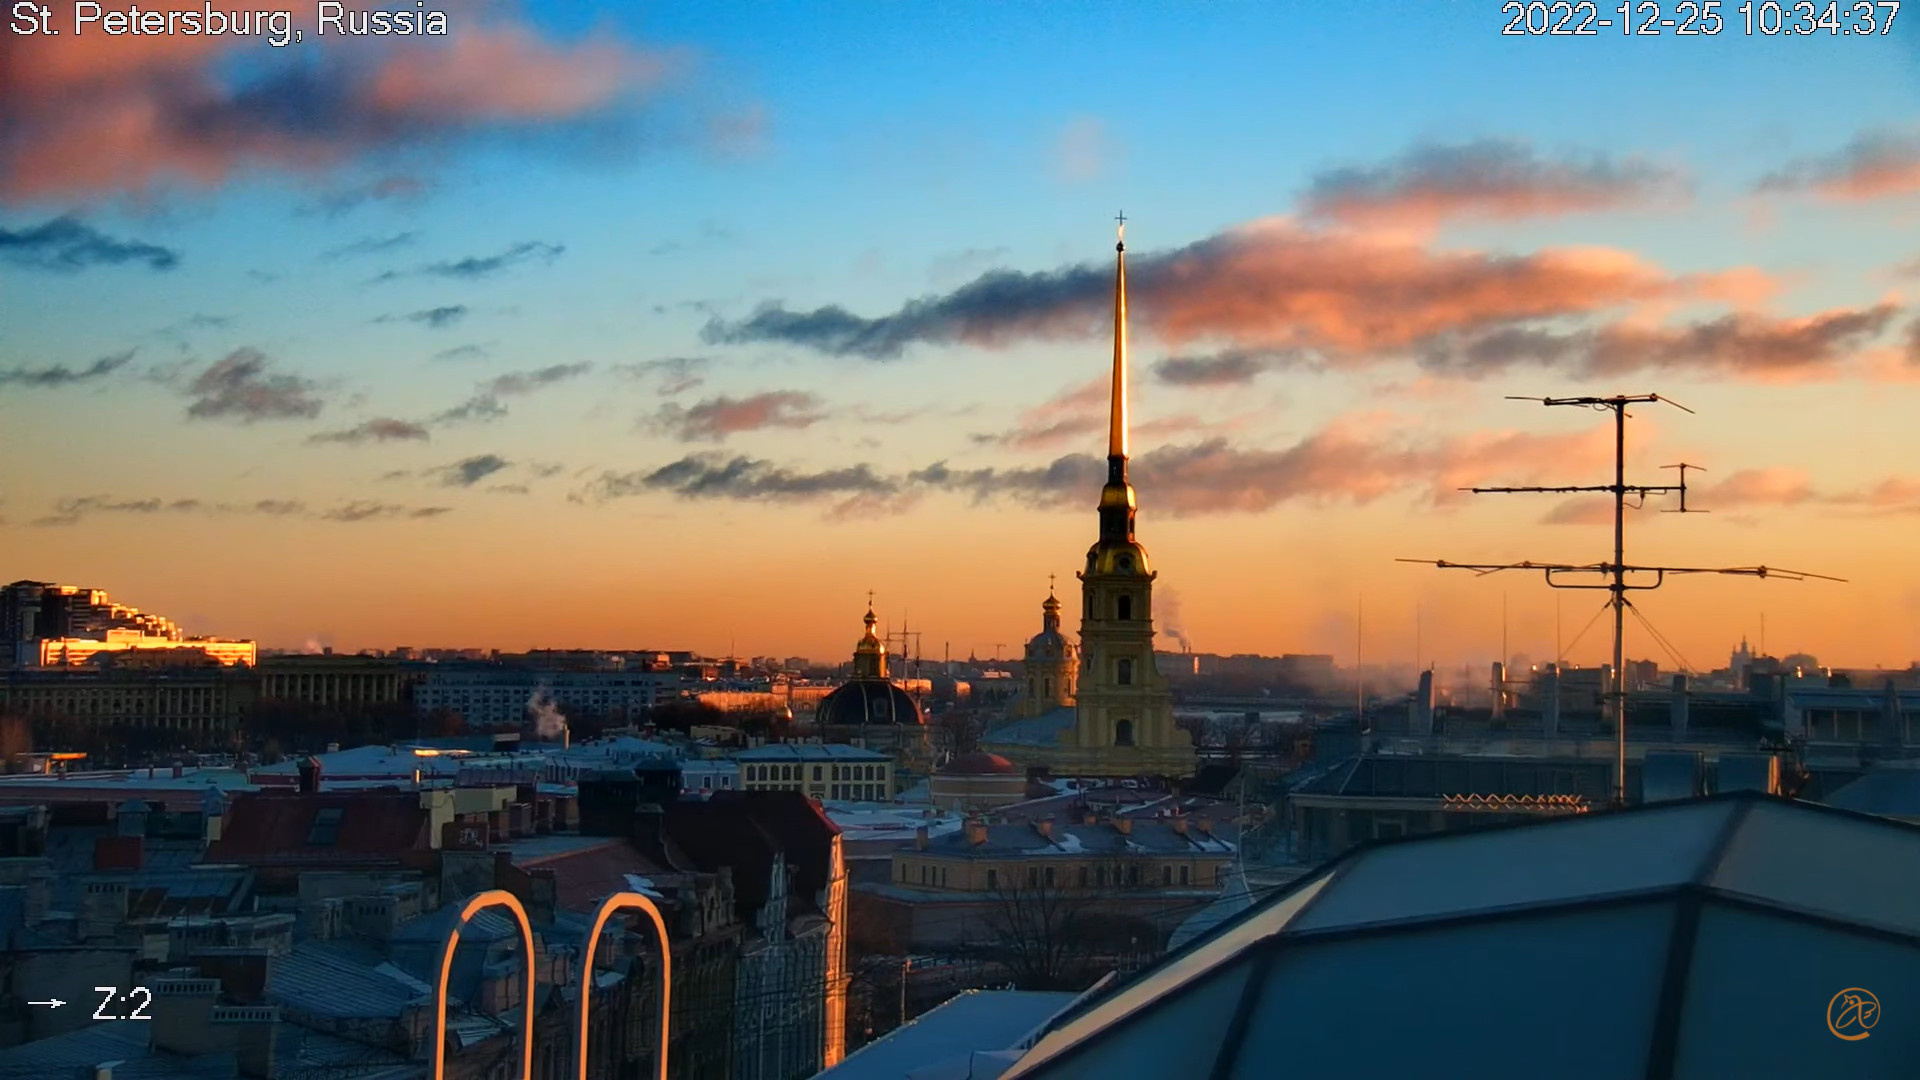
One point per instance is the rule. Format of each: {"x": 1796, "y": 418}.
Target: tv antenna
{"x": 1616, "y": 573}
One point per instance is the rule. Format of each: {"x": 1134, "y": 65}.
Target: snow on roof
{"x": 969, "y": 1022}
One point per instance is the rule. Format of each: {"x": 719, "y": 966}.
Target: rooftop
{"x": 941, "y": 1043}
{"x": 783, "y": 752}
{"x": 1644, "y": 941}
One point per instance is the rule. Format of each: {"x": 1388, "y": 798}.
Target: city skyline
{"x": 777, "y": 331}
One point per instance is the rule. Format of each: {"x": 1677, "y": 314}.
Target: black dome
{"x": 868, "y": 701}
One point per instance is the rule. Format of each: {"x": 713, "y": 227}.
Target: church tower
{"x": 1052, "y": 666}
{"x": 1124, "y": 707}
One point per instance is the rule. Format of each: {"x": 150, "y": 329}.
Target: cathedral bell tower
{"x": 1124, "y": 708}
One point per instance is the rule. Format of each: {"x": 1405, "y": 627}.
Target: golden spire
{"x": 1117, "y": 425}
{"x": 870, "y": 656}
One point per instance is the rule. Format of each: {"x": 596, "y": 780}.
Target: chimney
{"x": 1180, "y": 824}
{"x": 1499, "y": 690}
{"x": 104, "y": 1070}
{"x": 1423, "y": 705}
{"x": 1206, "y": 826}
{"x": 310, "y": 776}
{"x": 1123, "y": 825}
{"x": 920, "y": 838}
{"x": 976, "y": 832}
{"x": 1044, "y": 827}
{"x": 1550, "y": 700}
{"x": 1677, "y": 704}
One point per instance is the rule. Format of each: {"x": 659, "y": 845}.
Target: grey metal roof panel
{"x": 1889, "y": 791}
{"x": 971, "y": 1021}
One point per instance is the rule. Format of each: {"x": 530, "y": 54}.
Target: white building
{"x": 500, "y": 696}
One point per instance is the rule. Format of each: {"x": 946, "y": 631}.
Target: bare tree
{"x": 1048, "y": 928}
{"x": 959, "y": 730}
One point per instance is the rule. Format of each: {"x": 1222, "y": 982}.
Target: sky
{"x": 685, "y": 325}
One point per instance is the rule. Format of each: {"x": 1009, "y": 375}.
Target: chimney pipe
{"x": 1678, "y": 706}
{"x": 1180, "y": 824}
{"x": 1123, "y": 825}
{"x": 920, "y": 838}
{"x": 976, "y": 832}
{"x": 310, "y": 776}
{"x": 1206, "y": 825}
{"x": 1044, "y": 827}
{"x": 1550, "y": 703}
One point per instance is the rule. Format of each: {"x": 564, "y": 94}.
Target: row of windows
{"x": 1122, "y": 607}
{"x": 797, "y": 772}
{"x": 1084, "y": 877}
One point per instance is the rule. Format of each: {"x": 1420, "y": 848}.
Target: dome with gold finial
{"x": 1049, "y": 643}
{"x": 869, "y": 697}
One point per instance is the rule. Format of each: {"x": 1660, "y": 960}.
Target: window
{"x": 1183, "y": 875}
{"x": 816, "y": 774}
{"x": 1166, "y": 875}
{"x": 1123, "y": 733}
{"x": 943, "y": 877}
{"x": 923, "y": 875}
{"x": 903, "y": 871}
{"x": 993, "y": 878}
{"x": 1083, "y": 877}
{"x": 1125, "y": 606}
{"x": 326, "y": 827}
{"x": 1033, "y": 876}
{"x": 1049, "y": 875}
{"x": 1101, "y": 877}
{"x": 1049, "y": 692}
{"x": 1133, "y": 874}
{"x": 1123, "y": 671}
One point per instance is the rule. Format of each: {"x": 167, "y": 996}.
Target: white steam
{"x": 547, "y": 721}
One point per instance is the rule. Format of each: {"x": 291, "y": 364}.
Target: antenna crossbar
{"x": 1615, "y": 573}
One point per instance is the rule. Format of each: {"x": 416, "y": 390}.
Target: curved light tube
{"x": 474, "y": 904}
{"x": 627, "y": 901}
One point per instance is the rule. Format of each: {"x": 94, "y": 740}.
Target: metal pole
{"x": 1616, "y": 684}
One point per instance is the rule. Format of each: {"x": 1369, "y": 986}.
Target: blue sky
{"x": 861, "y": 156}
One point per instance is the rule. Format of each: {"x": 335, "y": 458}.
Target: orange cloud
{"x": 1875, "y": 165}
{"x": 105, "y": 114}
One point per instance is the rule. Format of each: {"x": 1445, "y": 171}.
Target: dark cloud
{"x": 479, "y": 408}
{"x": 526, "y": 382}
{"x": 73, "y": 510}
{"x": 380, "y": 429}
{"x": 1232, "y": 367}
{"x": 1875, "y": 165}
{"x": 1272, "y": 285}
{"x": 716, "y": 418}
{"x": 1352, "y": 460}
{"x": 61, "y": 375}
{"x": 370, "y": 245}
{"x": 1489, "y": 178}
{"x": 345, "y": 200}
{"x": 65, "y": 244}
{"x": 479, "y": 266}
{"x": 676, "y": 374}
{"x": 240, "y": 387}
{"x": 470, "y": 471}
{"x": 715, "y": 476}
{"x": 438, "y": 318}
{"x": 462, "y": 352}
{"x": 1737, "y": 344}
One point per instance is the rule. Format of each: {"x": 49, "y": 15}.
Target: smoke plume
{"x": 548, "y": 723}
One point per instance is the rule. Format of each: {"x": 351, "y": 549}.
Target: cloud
{"x": 1071, "y": 413}
{"x": 526, "y": 382}
{"x": 345, "y": 200}
{"x": 436, "y": 318}
{"x": 240, "y": 387}
{"x": 109, "y": 115}
{"x": 1875, "y": 165}
{"x": 65, "y": 244}
{"x": 1357, "y": 459}
{"x": 75, "y": 509}
{"x": 470, "y": 471}
{"x": 1488, "y": 178}
{"x": 1231, "y": 367}
{"x": 370, "y": 245}
{"x": 715, "y": 476}
{"x": 1774, "y": 487}
{"x": 481, "y": 407}
{"x": 462, "y": 352}
{"x": 1083, "y": 150}
{"x": 61, "y": 375}
{"x": 716, "y": 418}
{"x": 1748, "y": 345}
{"x": 677, "y": 374}
{"x": 380, "y": 429}
{"x": 1270, "y": 285}
{"x": 475, "y": 267}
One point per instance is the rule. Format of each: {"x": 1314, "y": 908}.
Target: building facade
{"x": 821, "y": 770}
{"x": 496, "y": 695}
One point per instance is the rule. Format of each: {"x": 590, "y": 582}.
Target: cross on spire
{"x": 869, "y": 599}
{"x": 1049, "y": 584}
{"x": 1121, "y": 232}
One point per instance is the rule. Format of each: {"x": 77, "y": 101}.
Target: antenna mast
{"x": 1615, "y": 573}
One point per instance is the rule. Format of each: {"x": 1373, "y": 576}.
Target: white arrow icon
{"x": 54, "y": 1002}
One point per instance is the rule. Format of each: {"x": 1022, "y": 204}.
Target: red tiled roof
{"x": 585, "y": 876}
{"x": 275, "y": 827}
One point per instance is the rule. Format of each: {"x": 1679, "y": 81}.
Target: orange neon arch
{"x": 474, "y": 904}
{"x": 628, "y": 901}
{"x": 625, "y": 901}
